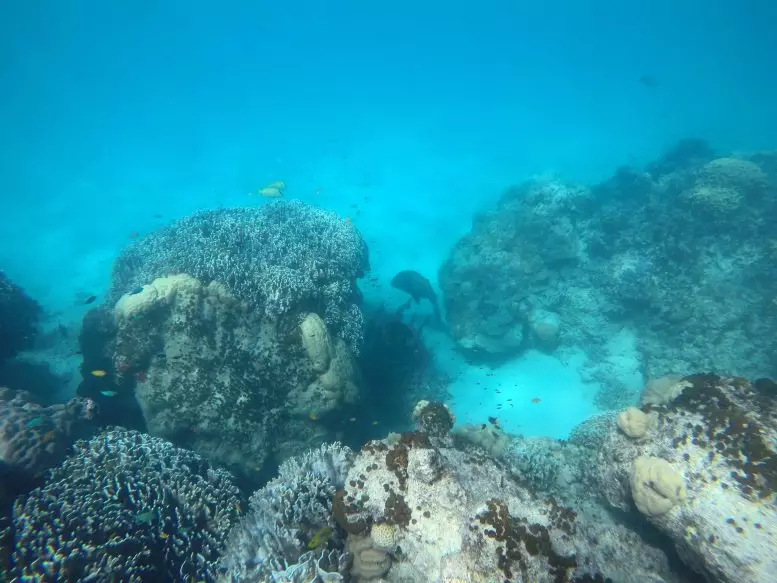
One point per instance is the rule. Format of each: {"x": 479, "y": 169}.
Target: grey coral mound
{"x": 271, "y": 542}
{"x": 280, "y": 258}
{"x": 125, "y": 507}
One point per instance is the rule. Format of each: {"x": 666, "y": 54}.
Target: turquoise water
{"x": 407, "y": 117}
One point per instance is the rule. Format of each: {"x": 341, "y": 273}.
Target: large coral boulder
{"x": 704, "y": 473}
{"x": 212, "y": 374}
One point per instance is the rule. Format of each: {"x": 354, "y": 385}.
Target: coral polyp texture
{"x": 34, "y": 437}
{"x": 674, "y": 265}
{"x": 280, "y": 258}
{"x": 125, "y": 507}
{"x": 212, "y": 374}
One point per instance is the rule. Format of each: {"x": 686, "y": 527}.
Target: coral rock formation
{"x": 215, "y": 376}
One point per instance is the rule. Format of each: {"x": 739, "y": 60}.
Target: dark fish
{"x": 136, "y": 291}
{"x": 766, "y": 387}
{"x": 493, "y": 421}
{"x": 90, "y": 299}
{"x": 413, "y": 283}
{"x": 648, "y": 81}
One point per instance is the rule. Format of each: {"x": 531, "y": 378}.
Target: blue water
{"x": 407, "y": 117}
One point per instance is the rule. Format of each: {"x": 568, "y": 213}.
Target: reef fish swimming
{"x": 415, "y": 284}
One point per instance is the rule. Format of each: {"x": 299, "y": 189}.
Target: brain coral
{"x": 655, "y": 486}
{"x": 278, "y": 258}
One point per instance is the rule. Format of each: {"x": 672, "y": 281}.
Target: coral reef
{"x": 704, "y": 475}
{"x": 34, "y": 438}
{"x": 416, "y": 508}
{"x": 212, "y": 374}
{"x": 282, "y": 258}
{"x": 19, "y": 319}
{"x": 280, "y": 537}
{"x": 673, "y": 267}
{"x": 125, "y": 507}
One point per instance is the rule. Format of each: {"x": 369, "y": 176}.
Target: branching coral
{"x": 278, "y": 258}
{"x": 285, "y": 516}
{"x": 125, "y": 507}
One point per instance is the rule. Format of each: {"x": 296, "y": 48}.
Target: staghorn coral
{"x": 280, "y": 258}
{"x": 34, "y": 438}
{"x": 125, "y": 507}
{"x": 284, "y": 516}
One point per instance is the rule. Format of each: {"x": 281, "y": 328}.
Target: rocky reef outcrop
{"x": 700, "y": 465}
{"x": 214, "y": 375}
{"x": 676, "y": 262}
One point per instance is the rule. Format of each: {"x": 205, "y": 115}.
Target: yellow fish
{"x": 319, "y": 539}
{"x": 99, "y": 373}
{"x": 313, "y": 416}
{"x": 270, "y": 192}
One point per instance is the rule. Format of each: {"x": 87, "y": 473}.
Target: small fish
{"x": 648, "y": 81}
{"x": 319, "y": 539}
{"x": 48, "y": 436}
{"x": 163, "y": 535}
{"x": 279, "y": 184}
{"x": 352, "y": 420}
{"x": 146, "y": 517}
{"x": 109, "y": 393}
{"x": 493, "y": 421}
{"x": 136, "y": 291}
{"x": 34, "y": 422}
{"x": 376, "y": 422}
{"x": 313, "y": 416}
{"x": 98, "y": 373}
{"x": 89, "y": 300}
{"x": 270, "y": 192}
{"x": 536, "y": 400}
{"x": 133, "y": 235}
